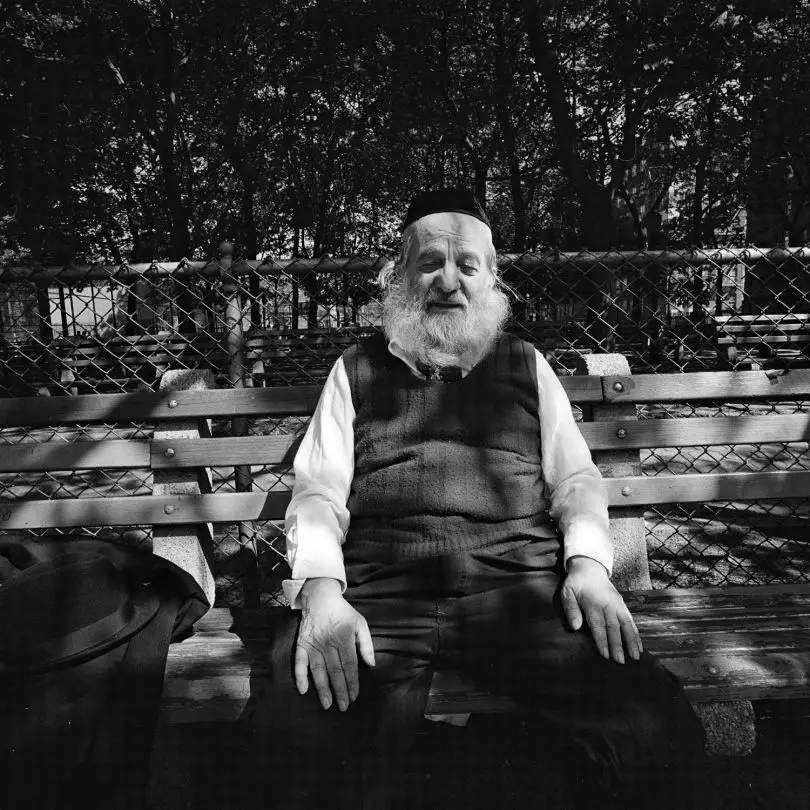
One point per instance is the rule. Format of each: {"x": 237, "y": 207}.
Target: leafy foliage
{"x": 142, "y": 129}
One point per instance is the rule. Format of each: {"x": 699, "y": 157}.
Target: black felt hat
{"x": 458, "y": 200}
{"x": 67, "y": 610}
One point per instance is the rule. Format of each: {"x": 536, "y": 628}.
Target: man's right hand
{"x": 329, "y": 636}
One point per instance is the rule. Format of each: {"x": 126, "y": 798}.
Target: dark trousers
{"x": 497, "y": 619}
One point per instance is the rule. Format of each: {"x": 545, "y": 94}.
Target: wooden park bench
{"x": 762, "y": 337}
{"x": 727, "y": 644}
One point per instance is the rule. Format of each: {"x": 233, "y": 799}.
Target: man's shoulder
{"x": 362, "y": 358}
{"x": 519, "y": 342}
{"x": 366, "y": 346}
{"x": 515, "y": 346}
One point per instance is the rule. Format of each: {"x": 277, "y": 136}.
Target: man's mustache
{"x": 440, "y": 298}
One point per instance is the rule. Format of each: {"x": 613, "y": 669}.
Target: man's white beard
{"x": 441, "y": 337}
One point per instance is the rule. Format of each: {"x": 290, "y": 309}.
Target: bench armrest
{"x": 631, "y": 570}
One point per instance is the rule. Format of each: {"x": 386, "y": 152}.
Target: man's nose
{"x": 447, "y": 279}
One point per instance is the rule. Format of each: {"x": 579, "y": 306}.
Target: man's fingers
{"x": 570, "y": 606}
{"x": 337, "y": 678}
{"x": 596, "y": 622}
{"x": 632, "y": 640}
{"x": 301, "y": 669}
{"x": 614, "y": 636}
{"x": 348, "y": 659}
{"x": 320, "y": 677}
{"x": 365, "y": 644}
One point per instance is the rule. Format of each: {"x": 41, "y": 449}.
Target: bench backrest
{"x": 609, "y": 425}
{"x": 766, "y": 328}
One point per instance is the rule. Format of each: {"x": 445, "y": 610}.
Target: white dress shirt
{"x": 317, "y": 518}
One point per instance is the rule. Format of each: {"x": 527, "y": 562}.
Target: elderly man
{"x": 446, "y": 512}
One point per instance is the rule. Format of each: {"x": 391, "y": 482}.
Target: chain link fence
{"x": 270, "y": 322}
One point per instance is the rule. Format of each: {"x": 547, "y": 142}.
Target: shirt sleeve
{"x": 578, "y": 499}
{"x": 317, "y": 518}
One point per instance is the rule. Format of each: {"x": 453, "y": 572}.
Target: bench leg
{"x": 729, "y": 727}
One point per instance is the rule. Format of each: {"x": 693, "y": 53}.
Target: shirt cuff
{"x": 588, "y": 539}
{"x": 333, "y": 569}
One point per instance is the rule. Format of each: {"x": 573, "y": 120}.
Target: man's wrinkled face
{"x": 448, "y": 263}
{"x": 442, "y": 302}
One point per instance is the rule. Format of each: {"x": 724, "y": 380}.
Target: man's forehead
{"x": 464, "y": 230}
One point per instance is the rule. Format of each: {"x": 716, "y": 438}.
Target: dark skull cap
{"x": 457, "y": 200}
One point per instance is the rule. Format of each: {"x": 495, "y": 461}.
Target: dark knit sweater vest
{"x": 444, "y": 467}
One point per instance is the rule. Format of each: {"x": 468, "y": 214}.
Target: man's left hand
{"x": 588, "y": 592}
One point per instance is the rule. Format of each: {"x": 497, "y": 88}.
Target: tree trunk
{"x": 508, "y": 138}
{"x": 180, "y": 244}
{"x": 697, "y": 233}
{"x": 597, "y": 217}
{"x": 597, "y": 210}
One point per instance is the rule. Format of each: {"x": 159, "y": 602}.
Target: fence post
{"x": 235, "y": 352}
{"x": 44, "y": 311}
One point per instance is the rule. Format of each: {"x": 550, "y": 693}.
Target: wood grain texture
{"x": 226, "y": 451}
{"x": 646, "y": 490}
{"x": 724, "y": 386}
{"x": 140, "y": 510}
{"x": 138, "y": 407}
{"x": 696, "y": 431}
{"x": 111, "y": 454}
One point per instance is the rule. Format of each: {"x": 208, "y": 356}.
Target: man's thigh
{"x": 513, "y": 638}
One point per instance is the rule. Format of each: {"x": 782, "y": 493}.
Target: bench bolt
{"x": 621, "y": 433}
{"x": 172, "y": 403}
{"x": 169, "y": 509}
{"x": 169, "y": 452}
{"x": 618, "y": 387}
{"x": 626, "y": 491}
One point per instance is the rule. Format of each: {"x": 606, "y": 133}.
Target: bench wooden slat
{"x": 764, "y": 329}
{"x": 658, "y": 605}
{"x": 136, "y": 510}
{"x": 249, "y": 402}
{"x": 767, "y": 317}
{"x": 112, "y": 454}
{"x": 148, "y": 406}
{"x": 234, "y": 450}
{"x": 771, "y": 328}
{"x": 781, "y": 634}
{"x": 645, "y": 490}
{"x": 697, "y": 431}
{"x": 752, "y": 340}
{"x": 725, "y": 386}
{"x": 746, "y": 676}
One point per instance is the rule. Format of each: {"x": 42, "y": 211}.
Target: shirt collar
{"x": 463, "y": 363}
